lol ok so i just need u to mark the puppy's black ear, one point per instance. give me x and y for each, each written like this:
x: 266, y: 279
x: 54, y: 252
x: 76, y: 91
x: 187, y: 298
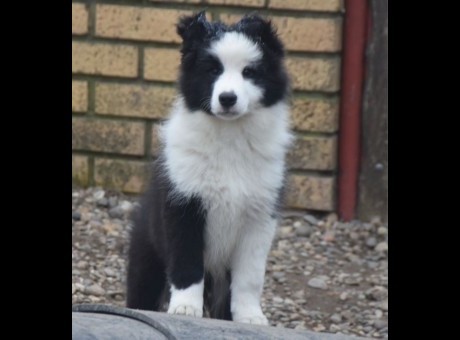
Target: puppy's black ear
x: 262, y: 31
x: 192, y: 27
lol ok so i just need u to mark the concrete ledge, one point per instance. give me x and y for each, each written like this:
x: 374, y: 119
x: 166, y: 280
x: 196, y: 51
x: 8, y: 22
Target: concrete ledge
x: 110, y: 322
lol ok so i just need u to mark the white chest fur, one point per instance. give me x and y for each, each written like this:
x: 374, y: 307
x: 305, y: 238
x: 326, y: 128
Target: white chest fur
x: 235, y: 167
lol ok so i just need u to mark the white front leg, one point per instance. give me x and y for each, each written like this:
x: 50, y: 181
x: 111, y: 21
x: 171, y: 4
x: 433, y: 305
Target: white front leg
x: 248, y: 271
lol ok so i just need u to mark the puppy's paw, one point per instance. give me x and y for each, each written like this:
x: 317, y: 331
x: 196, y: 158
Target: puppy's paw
x: 187, y: 301
x: 253, y: 319
x: 248, y: 313
x: 186, y: 310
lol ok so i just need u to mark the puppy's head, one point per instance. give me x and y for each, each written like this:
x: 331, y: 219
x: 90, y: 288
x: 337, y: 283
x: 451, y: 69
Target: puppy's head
x: 230, y: 71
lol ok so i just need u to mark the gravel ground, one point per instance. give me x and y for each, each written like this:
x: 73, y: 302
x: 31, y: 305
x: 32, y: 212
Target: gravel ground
x: 322, y: 275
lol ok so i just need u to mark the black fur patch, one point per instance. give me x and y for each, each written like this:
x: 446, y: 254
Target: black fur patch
x: 166, y: 243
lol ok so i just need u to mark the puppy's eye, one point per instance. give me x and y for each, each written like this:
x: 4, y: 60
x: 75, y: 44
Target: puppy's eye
x: 214, y: 71
x: 249, y: 72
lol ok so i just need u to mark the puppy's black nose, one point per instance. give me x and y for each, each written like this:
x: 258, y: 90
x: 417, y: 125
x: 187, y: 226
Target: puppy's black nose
x: 227, y: 99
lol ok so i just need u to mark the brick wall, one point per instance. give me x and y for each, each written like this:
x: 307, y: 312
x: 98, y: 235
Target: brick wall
x: 125, y: 57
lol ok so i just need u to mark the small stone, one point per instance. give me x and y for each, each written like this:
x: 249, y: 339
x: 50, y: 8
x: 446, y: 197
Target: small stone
x: 378, y: 313
x: 300, y: 325
x: 113, y: 202
x: 79, y: 287
x: 95, y: 224
x: 278, y: 275
x: 116, y: 212
x: 299, y: 294
x: 95, y: 290
x: 319, y: 328
x: 310, y: 219
x: 379, y: 324
x: 288, y: 302
x: 371, y: 242
x: 277, y: 253
x: 354, y: 235
x: 82, y: 264
x: 76, y: 215
x: 110, y: 272
x: 94, y: 299
x: 367, y: 329
x: 286, y: 230
x: 382, y: 230
x: 334, y: 328
x: 382, y: 247
x: 352, y: 257
x: 347, y: 314
x: 343, y: 296
x: 352, y: 280
x: 318, y: 282
x: 384, y: 305
x: 377, y: 293
x: 336, y: 318
x: 368, y: 226
x: 74, y: 289
x: 376, y: 220
x: 103, y: 202
x: 304, y: 231
x: 329, y: 236
x: 277, y: 299
x: 372, y: 264
x: 99, y: 194
x: 297, y: 224
x: 85, y: 217
x: 126, y: 206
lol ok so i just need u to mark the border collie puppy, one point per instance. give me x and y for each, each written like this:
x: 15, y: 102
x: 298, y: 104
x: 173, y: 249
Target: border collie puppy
x: 208, y: 218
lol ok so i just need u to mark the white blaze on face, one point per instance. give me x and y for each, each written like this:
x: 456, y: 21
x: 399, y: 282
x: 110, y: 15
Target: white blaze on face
x: 235, y: 51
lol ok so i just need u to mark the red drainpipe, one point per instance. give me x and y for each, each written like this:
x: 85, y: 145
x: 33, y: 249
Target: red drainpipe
x: 354, y: 37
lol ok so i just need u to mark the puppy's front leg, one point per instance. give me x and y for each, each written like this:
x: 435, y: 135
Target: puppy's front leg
x: 185, y: 224
x: 248, y: 272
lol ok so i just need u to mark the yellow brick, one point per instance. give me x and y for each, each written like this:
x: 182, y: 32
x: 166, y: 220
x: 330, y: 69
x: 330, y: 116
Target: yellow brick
x: 79, y: 19
x: 108, y: 136
x: 310, y: 5
x: 104, y: 59
x: 309, y: 34
x: 230, y: 18
x: 312, y: 114
x: 123, y: 175
x: 155, y: 140
x: 80, y: 170
x: 146, y: 101
x: 314, y: 73
x: 137, y: 23
x: 161, y: 64
x: 303, y: 34
x: 310, y: 192
x: 79, y: 96
x: 313, y: 153
x: 249, y: 3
